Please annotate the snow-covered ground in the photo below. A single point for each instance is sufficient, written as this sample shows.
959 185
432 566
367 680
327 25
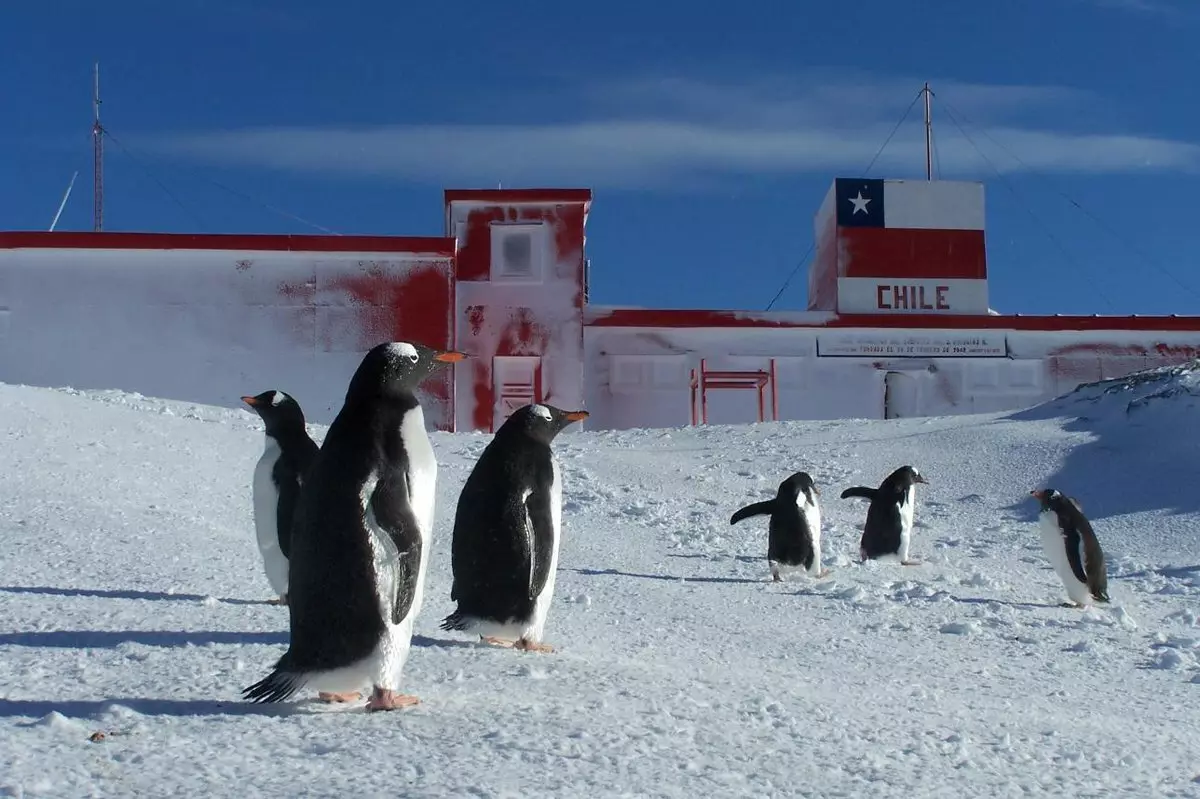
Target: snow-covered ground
132 604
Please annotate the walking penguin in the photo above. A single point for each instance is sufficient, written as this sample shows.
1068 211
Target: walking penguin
794 532
287 453
507 530
1072 547
888 529
361 539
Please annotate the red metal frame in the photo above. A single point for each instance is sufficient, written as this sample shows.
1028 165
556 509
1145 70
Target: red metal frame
734 379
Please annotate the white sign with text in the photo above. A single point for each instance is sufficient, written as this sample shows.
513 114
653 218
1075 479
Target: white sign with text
907 344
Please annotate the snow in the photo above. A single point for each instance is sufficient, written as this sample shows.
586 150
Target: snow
134 613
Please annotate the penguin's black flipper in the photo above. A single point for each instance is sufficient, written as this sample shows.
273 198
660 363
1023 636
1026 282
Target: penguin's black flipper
757 509
393 514
860 491
285 510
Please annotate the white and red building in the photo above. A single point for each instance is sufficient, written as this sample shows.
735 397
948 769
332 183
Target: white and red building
897 324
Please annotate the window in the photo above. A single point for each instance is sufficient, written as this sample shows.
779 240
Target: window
517 252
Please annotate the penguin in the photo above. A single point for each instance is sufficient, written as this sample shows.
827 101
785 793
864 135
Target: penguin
1072 548
794 538
888 529
507 530
288 451
360 541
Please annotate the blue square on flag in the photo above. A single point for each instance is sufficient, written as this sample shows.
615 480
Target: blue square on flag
859 202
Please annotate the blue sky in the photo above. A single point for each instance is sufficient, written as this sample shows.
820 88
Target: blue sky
709 136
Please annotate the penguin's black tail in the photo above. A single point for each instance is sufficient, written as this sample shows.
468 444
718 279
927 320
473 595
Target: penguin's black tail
455 621
275 687
860 491
757 509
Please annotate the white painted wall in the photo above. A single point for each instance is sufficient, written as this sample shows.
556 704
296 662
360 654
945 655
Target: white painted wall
639 377
202 325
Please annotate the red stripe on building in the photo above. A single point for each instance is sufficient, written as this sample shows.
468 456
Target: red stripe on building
911 253
692 318
424 245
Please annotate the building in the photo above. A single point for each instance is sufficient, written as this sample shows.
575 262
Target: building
897 325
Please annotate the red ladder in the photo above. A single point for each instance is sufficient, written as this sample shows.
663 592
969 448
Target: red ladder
743 380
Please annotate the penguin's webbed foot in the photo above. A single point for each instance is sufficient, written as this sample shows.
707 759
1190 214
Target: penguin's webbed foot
494 641
822 573
385 699
349 696
526 645
910 563
279 600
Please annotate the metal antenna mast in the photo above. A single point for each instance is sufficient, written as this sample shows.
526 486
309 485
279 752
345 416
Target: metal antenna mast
928 133
97 156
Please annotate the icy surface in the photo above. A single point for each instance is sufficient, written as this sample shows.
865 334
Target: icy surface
132 613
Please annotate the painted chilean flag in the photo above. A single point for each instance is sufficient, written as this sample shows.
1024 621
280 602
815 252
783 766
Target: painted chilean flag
900 246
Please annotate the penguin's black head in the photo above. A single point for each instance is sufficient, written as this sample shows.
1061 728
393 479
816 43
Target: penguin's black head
800 483
1046 497
541 422
906 476
278 410
397 367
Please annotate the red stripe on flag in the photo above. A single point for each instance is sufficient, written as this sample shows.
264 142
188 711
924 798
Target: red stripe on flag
911 253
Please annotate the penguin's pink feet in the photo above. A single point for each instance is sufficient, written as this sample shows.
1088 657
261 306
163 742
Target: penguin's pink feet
526 645
349 696
279 600
823 573
910 563
384 699
494 641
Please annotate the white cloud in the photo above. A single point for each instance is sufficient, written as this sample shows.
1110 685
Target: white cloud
647 133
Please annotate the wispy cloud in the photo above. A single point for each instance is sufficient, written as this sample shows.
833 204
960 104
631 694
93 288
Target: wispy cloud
647 133
1177 11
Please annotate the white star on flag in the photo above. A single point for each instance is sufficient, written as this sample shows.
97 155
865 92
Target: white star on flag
860 202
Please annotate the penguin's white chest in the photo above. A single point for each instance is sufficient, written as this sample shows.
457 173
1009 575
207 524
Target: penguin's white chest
266 517
541 607
812 518
908 507
1054 544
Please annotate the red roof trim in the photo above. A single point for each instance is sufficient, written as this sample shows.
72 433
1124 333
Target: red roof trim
689 318
504 196
424 245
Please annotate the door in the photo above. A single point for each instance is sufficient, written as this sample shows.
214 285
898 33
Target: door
900 396
517 381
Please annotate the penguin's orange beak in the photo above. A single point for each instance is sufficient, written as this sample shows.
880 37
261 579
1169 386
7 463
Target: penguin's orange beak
1036 493
577 416
251 401
450 357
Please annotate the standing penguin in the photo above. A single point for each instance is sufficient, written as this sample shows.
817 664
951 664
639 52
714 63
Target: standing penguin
287 453
794 532
361 538
1072 547
888 529
507 530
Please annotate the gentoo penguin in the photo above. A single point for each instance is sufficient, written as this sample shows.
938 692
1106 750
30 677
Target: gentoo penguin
1072 548
360 541
888 530
287 453
794 533
507 530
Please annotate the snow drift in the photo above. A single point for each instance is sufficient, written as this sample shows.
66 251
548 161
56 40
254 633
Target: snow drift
132 613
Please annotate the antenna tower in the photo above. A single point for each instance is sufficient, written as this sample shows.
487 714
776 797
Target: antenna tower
928 132
97 155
